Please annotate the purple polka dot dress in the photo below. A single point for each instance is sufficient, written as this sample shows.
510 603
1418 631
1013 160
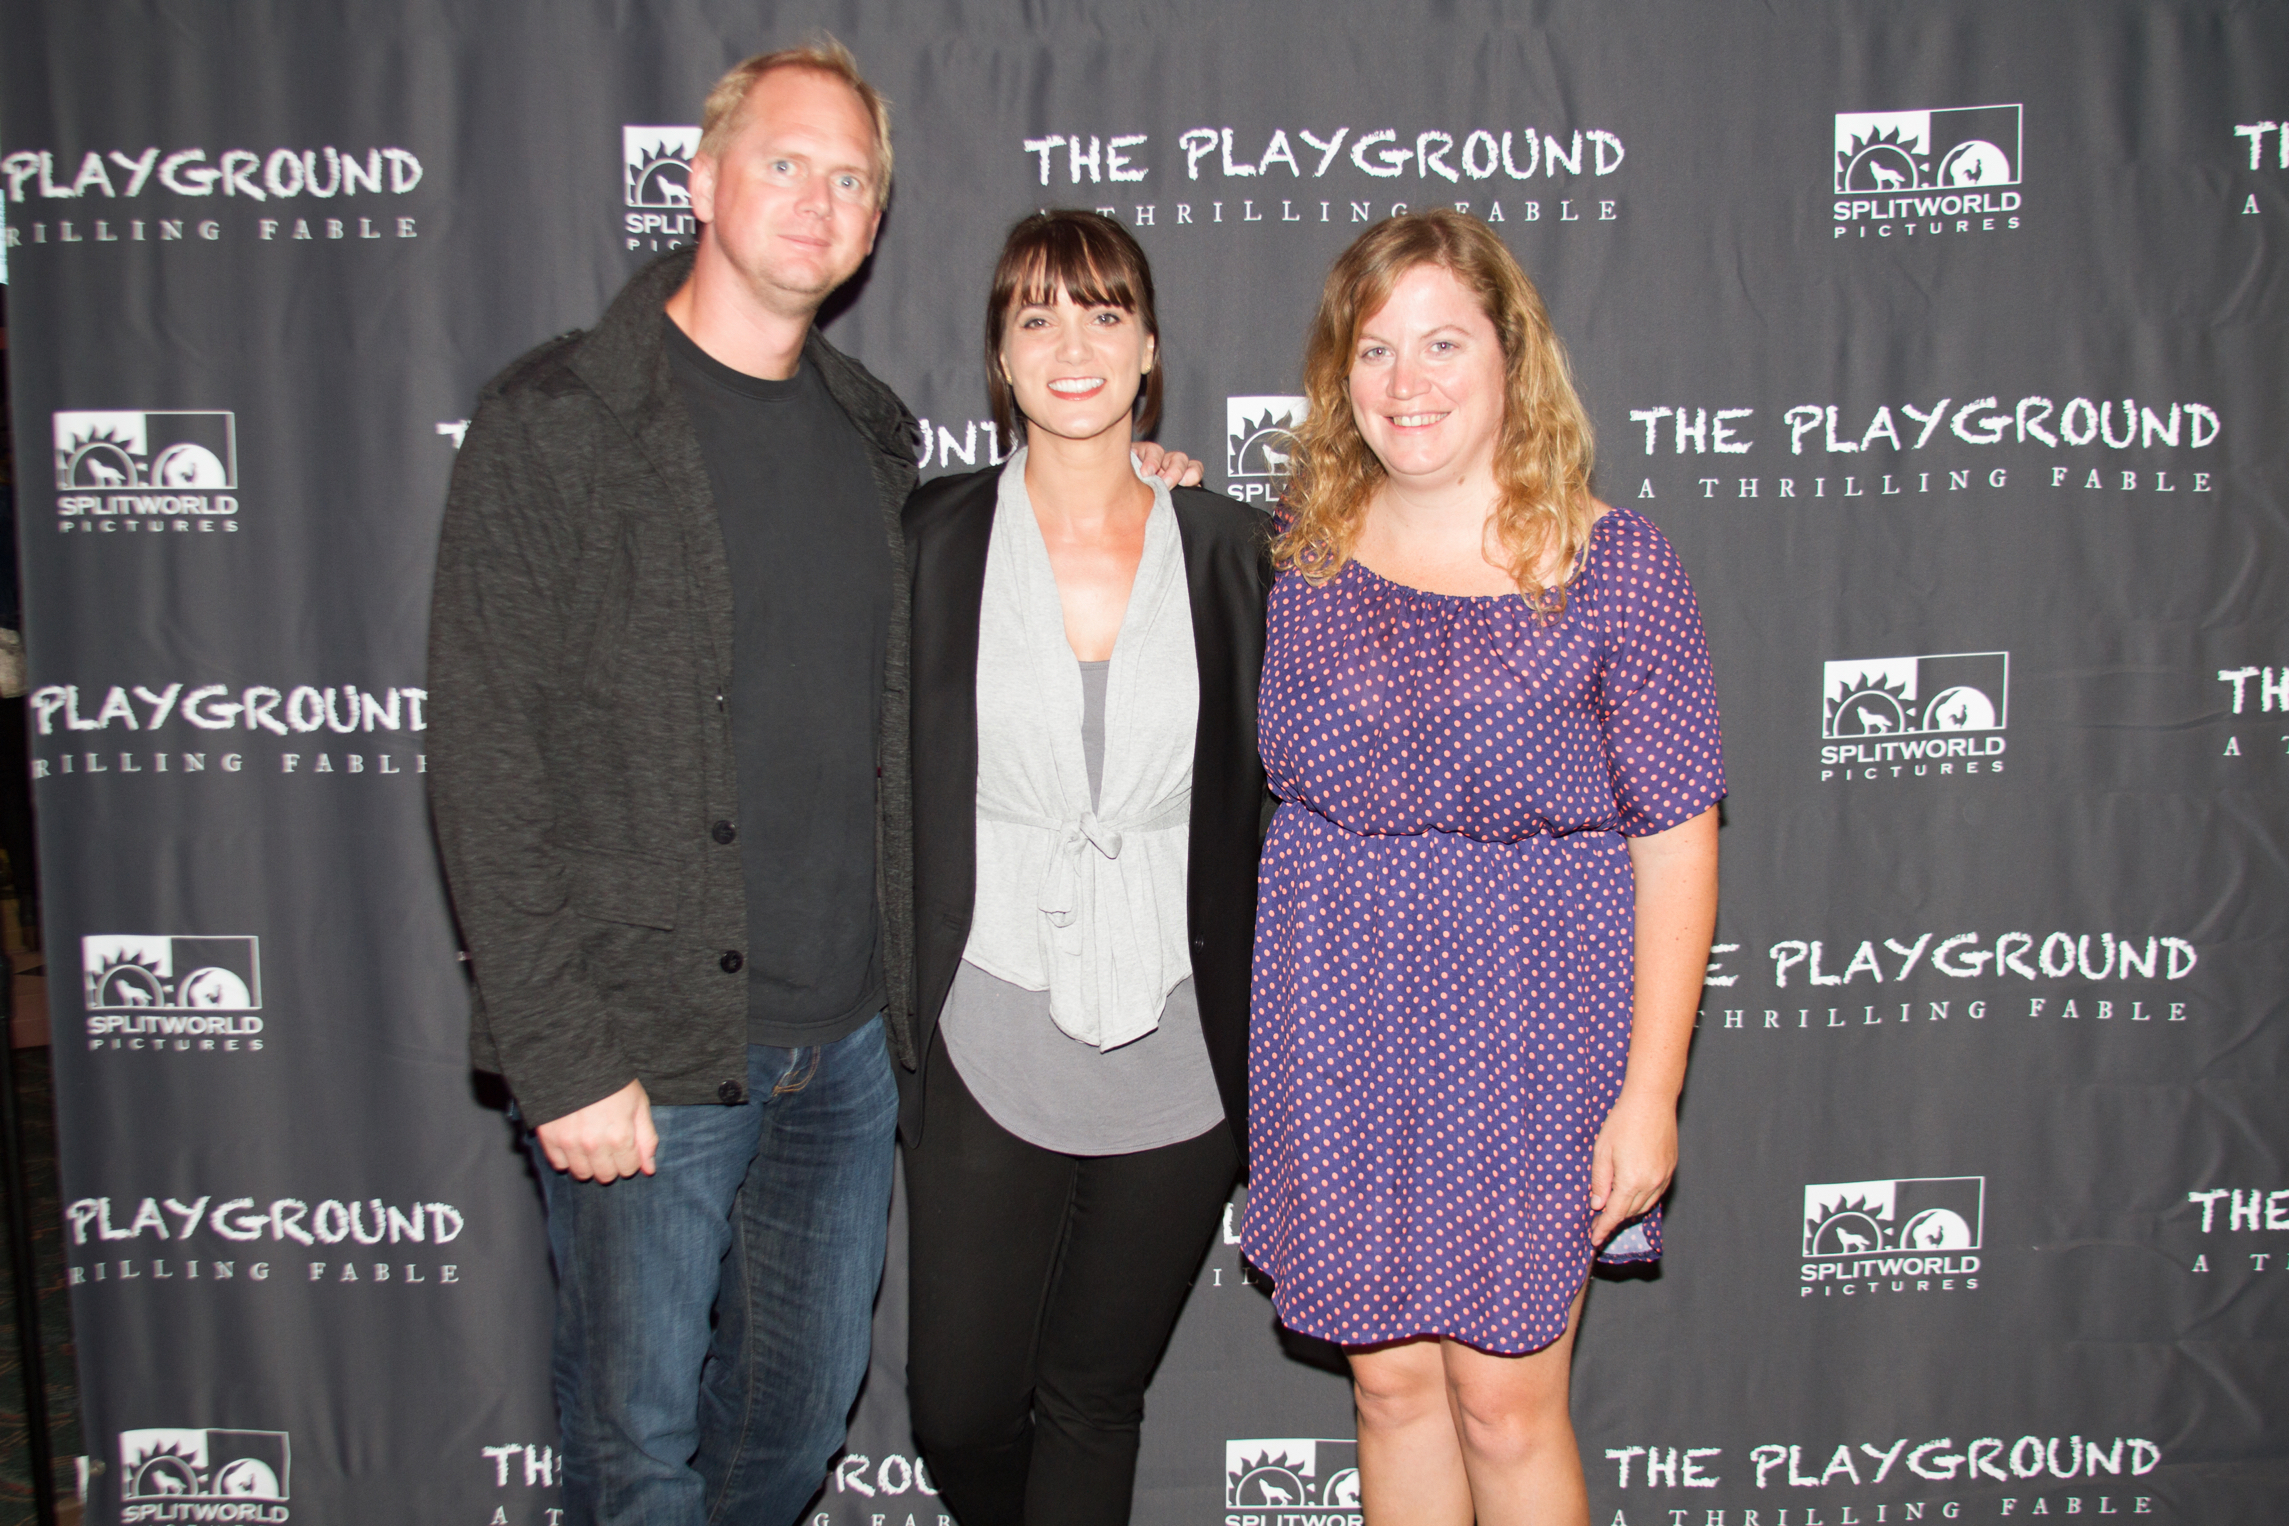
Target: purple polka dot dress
1444 939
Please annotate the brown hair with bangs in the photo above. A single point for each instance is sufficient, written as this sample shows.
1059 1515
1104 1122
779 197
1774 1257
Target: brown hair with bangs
1091 259
1542 459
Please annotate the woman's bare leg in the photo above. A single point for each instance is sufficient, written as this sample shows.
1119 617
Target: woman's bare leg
1516 1430
1410 1461
1449 1434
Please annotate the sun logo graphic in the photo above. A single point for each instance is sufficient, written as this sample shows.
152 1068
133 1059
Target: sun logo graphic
1959 148
655 166
1911 1214
1258 440
169 1464
655 181
1301 1474
129 972
1898 697
100 449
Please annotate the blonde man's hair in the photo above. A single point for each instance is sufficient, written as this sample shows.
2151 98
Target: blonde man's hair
1542 458
726 109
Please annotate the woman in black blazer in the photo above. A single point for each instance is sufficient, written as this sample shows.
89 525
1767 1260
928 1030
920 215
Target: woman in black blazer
1087 816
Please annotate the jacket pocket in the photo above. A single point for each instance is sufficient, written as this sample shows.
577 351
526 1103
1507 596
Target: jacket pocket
612 886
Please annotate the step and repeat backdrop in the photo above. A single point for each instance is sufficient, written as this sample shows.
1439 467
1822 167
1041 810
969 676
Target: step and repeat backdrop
1949 344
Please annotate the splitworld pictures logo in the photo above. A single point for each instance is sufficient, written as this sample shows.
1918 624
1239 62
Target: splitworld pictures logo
155 471
146 992
655 182
1927 172
1258 439
1914 717
1909 1234
169 1474
1291 1481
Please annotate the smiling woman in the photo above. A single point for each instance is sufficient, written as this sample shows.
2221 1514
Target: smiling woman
1071 267
1429 314
1087 805
1488 892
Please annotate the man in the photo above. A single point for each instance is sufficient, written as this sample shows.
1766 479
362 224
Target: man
668 669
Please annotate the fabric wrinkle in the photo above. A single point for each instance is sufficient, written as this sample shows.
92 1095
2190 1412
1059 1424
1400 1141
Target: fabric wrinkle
1083 898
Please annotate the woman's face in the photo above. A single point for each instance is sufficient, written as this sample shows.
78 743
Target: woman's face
1428 382
1075 369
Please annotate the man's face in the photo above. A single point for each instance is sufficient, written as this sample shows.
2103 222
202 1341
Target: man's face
791 202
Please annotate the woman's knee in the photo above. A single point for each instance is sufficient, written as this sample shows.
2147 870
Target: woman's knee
1398 1386
946 1420
1512 1422
956 1401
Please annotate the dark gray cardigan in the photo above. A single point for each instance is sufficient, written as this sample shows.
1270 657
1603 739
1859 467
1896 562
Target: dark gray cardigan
579 748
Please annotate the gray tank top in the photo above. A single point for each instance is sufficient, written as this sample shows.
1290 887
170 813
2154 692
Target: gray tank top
1055 1091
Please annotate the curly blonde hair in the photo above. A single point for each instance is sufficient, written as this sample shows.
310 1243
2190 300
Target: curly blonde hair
1543 458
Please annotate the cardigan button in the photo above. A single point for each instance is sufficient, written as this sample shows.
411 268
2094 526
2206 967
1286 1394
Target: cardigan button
732 1092
732 961
723 832
1200 943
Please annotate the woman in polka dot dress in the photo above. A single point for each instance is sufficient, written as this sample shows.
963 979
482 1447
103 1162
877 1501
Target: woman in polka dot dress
1488 894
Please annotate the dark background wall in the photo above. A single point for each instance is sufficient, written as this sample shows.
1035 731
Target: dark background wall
1946 343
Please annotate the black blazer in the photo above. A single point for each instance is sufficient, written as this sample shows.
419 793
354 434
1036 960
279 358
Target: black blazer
1227 572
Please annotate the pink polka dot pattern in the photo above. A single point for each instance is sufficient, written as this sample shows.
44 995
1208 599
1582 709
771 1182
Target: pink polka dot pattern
1443 945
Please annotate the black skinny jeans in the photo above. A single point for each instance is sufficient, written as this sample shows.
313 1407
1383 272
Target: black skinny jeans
1043 1290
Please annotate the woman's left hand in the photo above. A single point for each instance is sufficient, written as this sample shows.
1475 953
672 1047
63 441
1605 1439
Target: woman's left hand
1632 1162
1173 467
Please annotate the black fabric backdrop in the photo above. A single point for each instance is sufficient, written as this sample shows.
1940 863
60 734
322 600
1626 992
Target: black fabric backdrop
1946 342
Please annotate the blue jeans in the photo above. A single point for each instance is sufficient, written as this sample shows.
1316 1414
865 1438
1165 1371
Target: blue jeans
773 1215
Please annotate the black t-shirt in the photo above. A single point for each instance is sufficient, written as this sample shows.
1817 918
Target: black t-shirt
810 597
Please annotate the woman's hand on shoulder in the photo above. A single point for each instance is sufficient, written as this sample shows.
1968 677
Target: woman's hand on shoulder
1173 467
1633 1161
